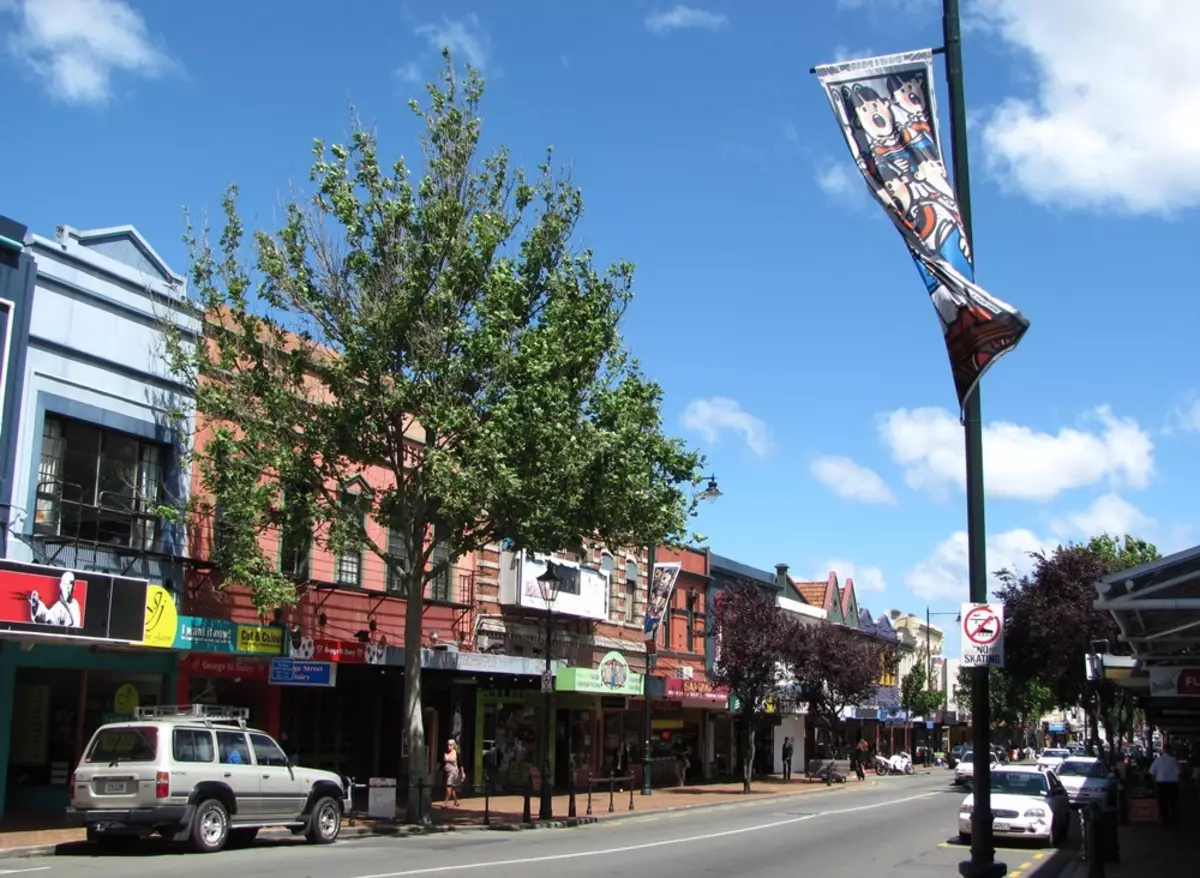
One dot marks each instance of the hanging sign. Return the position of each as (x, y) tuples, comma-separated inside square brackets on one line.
[(983, 635)]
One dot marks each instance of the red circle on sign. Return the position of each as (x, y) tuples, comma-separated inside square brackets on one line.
[(981, 626)]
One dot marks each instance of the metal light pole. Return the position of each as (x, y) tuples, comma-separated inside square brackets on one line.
[(983, 862), (711, 492), (548, 584)]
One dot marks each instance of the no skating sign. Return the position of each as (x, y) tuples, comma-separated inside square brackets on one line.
[(983, 635)]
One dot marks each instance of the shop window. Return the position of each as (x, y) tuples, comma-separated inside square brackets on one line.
[(267, 752), (98, 486), (631, 588), (193, 745), (233, 749), (348, 564), (398, 559), (295, 532)]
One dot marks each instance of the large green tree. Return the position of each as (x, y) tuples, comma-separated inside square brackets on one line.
[(443, 335)]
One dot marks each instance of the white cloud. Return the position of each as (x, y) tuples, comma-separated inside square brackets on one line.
[(682, 17), (944, 574), (1108, 514), (465, 38), (836, 180), (851, 481), (712, 417), (866, 579), (1185, 416), (1095, 133), (1020, 463), (77, 46), (410, 72), (841, 53)]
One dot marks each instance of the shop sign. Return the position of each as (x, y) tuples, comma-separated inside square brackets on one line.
[(201, 664), (166, 629), (48, 601), (474, 662), (162, 618), (1175, 682), (611, 677), (697, 690), (260, 639), (301, 672), (349, 652)]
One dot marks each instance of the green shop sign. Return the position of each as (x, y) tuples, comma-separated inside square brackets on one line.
[(611, 677)]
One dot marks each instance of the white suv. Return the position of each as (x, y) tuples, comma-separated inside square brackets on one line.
[(198, 773)]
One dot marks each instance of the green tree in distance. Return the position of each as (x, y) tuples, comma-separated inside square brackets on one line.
[(916, 696), (441, 338)]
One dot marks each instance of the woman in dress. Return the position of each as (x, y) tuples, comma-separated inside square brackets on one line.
[(450, 765)]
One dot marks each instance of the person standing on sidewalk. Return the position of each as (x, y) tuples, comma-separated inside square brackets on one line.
[(1165, 772), (787, 758), (860, 761)]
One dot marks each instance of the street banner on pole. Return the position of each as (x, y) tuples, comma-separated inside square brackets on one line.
[(661, 588), (888, 114)]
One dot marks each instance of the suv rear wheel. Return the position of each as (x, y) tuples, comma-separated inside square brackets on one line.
[(210, 827), (325, 822)]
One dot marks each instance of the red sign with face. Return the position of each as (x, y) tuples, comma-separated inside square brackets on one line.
[(54, 601)]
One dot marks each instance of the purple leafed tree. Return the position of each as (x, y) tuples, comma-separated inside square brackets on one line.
[(750, 635), (837, 667)]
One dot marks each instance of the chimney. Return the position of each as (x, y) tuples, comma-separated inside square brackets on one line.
[(781, 575)]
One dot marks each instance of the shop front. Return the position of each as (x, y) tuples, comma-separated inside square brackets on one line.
[(69, 662), (597, 733), (703, 708)]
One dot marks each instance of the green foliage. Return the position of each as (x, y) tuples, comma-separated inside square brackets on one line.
[(452, 306), (1013, 701), (916, 696)]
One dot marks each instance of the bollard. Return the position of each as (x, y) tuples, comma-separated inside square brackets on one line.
[(525, 815), (631, 792), (420, 801), (487, 798), (589, 808), (611, 787), (1092, 843), (571, 793)]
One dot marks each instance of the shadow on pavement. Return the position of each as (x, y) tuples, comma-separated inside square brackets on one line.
[(157, 847)]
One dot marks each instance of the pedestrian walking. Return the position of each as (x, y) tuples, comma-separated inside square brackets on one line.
[(787, 758), (453, 773), (1165, 771), (860, 762)]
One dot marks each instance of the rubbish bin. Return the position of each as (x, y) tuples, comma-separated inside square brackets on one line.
[(381, 798)]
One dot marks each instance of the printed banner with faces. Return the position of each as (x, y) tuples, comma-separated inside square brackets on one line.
[(886, 109)]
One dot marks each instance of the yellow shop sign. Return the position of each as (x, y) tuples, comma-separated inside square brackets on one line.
[(260, 639)]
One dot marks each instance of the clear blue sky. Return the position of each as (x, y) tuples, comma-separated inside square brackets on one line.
[(775, 304)]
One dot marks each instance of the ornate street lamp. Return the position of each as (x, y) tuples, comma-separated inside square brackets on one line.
[(548, 584)]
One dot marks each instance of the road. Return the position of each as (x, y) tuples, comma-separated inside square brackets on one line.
[(900, 827)]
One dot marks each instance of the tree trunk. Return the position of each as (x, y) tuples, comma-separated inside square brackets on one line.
[(748, 762), (419, 793)]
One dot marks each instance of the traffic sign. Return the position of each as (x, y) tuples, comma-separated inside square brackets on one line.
[(983, 635)]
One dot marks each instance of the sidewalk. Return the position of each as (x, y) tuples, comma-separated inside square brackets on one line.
[(503, 812), (1150, 849)]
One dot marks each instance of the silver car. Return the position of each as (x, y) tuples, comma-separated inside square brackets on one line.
[(1086, 779), (197, 773)]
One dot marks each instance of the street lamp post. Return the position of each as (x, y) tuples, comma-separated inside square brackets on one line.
[(710, 492), (548, 584)]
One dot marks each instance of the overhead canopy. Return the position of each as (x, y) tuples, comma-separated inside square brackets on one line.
[(1157, 608)]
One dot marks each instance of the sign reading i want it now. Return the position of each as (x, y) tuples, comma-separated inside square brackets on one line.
[(983, 635)]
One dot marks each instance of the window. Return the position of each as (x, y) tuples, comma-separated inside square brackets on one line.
[(606, 567), (398, 555), (691, 621), (348, 564), (98, 485), (888, 677), (222, 528), (666, 620), (295, 532), (233, 748), (631, 589), (128, 744), (193, 745), (439, 556), (267, 752)]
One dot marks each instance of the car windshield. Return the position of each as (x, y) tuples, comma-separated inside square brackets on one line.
[(1082, 769), (128, 744), (1056, 754), (1019, 783)]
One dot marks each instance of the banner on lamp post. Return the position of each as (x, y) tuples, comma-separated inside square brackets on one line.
[(662, 586), (887, 111)]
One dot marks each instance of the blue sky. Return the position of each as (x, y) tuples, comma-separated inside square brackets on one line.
[(775, 304)]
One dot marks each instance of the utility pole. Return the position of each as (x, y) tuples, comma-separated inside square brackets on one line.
[(982, 863)]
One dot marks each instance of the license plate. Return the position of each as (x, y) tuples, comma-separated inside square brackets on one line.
[(114, 788), (999, 826)]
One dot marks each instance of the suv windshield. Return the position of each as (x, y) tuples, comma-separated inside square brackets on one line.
[(1019, 783), (1082, 769), (128, 744)]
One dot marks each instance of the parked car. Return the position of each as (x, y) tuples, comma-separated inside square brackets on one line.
[(1026, 803), (1052, 757), (964, 771), (197, 773), (956, 754), (1085, 778)]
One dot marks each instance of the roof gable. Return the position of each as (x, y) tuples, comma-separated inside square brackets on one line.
[(849, 600), (122, 244)]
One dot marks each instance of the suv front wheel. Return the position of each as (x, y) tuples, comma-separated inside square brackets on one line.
[(210, 827), (325, 822)]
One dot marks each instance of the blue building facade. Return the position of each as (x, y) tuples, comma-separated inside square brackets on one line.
[(93, 443)]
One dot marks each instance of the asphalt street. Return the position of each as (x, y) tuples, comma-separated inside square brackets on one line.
[(900, 827)]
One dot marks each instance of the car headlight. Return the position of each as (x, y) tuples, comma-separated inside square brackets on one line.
[(1036, 812)]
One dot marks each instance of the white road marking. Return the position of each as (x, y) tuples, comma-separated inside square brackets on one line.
[(433, 870)]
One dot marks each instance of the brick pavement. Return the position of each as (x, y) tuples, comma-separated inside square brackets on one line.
[(17, 836), (1150, 850)]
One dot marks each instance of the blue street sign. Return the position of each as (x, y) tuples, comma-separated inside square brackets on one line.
[(929, 724), (300, 672)]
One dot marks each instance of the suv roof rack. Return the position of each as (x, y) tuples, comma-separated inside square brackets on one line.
[(206, 713)]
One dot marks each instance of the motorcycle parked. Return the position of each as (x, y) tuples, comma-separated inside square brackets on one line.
[(900, 763)]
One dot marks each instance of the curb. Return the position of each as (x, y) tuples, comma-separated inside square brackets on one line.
[(567, 823)]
